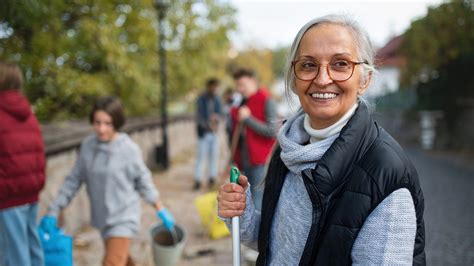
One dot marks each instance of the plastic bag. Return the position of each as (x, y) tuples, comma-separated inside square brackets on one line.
[(57, 247), (207, 209)]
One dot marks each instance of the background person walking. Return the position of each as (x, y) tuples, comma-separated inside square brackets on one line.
[(208, 116), (110, 164)]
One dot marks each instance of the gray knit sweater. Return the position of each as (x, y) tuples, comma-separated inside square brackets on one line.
[(387, 236), (115, 177)]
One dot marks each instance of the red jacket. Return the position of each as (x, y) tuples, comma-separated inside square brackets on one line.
[(259, 147), (22, 157)]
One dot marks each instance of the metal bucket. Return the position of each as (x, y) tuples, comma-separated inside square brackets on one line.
[(167, 246)]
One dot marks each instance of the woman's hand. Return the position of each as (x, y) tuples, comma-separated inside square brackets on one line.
[(49, 224), (231, 200), (158, 205)]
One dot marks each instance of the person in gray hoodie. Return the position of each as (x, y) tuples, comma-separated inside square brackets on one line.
[(111, 166)]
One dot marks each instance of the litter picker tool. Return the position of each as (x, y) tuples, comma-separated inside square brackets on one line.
[(234, 178), (234, 142)]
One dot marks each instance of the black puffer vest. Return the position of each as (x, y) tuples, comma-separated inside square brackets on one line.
[(360, 169)]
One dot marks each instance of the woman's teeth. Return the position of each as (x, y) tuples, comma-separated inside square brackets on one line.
[(324, 95)]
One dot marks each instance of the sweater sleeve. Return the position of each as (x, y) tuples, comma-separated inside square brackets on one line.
[(388, 235), (142, 178), (68, 189), (267, 128), (249, 223)]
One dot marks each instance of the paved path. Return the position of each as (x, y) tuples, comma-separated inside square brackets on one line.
[(448, 187)]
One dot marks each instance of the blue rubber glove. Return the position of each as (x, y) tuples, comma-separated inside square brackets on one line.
[(166, 217), (49, 224)]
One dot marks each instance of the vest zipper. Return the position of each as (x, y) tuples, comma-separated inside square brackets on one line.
[(313, 191), (322, 217)]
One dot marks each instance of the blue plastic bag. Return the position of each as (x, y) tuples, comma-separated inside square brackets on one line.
[(57, 247)]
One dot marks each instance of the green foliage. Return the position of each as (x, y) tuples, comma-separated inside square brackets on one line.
[(199, 43), (440, 57), (280, 55), (74, 51), (444, 34), (260, 60), (451, 91)]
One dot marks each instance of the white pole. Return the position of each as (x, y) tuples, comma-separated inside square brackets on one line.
[(236, 241)]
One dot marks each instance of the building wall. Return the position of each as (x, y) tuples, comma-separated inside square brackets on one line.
[(385, 81)]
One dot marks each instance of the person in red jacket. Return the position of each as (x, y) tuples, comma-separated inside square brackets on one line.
[(22, 173), (255, 124)]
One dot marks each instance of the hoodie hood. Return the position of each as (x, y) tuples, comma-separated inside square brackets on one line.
[(99, 153), (15, 104), (109, 146)]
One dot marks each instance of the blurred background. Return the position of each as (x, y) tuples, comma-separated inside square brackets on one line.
[(157, 55)]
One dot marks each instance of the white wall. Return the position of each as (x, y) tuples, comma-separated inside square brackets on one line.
[(385, 81)]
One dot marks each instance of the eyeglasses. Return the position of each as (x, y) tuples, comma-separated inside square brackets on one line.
[(307, 69)]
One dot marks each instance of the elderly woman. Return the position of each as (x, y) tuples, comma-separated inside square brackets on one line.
[(339, 190)]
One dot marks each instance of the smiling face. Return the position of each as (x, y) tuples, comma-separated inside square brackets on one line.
[(103, 126), (325, 100)]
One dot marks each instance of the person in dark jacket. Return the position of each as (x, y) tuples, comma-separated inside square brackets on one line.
[(254, 123), (339, 190), (208, 115), (22, 173)]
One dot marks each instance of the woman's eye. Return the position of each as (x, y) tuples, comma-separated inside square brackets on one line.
[(308, 65), (340, 64)]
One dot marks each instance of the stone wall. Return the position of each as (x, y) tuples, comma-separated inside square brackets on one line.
[(62, 151)]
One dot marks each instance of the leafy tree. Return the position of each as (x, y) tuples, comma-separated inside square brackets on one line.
[(199, 43), (280, 55), (440, 57), (260, 60), (73, 51), (451, 91), (444, 34)]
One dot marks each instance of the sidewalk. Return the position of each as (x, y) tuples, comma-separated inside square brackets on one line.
[(175, 186)]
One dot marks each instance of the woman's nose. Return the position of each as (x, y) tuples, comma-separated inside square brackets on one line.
[(100, 128), (323, 78)]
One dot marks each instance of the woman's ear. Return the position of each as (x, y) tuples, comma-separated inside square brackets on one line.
[(365, 84)]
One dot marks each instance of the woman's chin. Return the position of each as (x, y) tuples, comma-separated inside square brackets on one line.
[(322, 117), (103, 138), (322, 109)]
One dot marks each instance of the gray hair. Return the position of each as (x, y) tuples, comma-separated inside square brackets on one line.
[(365, 49)]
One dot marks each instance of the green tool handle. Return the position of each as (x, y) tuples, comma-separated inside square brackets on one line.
[(234, 178), (234, 175)]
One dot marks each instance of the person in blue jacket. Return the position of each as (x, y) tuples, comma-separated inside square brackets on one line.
[(110, 164), (208, 116)]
